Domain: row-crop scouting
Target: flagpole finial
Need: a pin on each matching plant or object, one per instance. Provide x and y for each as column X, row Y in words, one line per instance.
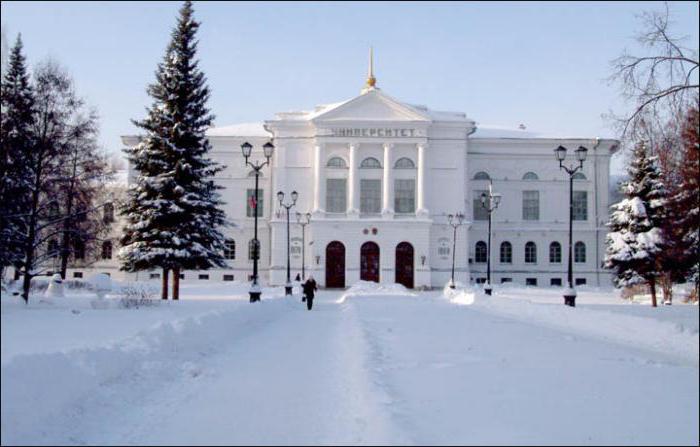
column 371, row 82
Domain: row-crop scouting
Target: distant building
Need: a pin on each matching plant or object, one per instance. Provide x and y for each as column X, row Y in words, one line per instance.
column 380, row 176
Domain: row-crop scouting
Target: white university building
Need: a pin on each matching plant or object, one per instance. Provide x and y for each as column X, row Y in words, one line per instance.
column 380, row 177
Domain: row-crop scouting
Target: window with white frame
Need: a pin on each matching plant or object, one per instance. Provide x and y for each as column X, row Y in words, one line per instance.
column 404, row 163
column 555, row 252
column 530, row 253
column 230, row 249
column 506, row 253
column 107, row 250
column 480, row 252
column 405, row 195
column 530, row 176
column 336, row 201
column 336, row 162
column 370, row 196
column 579, row 252
column 252, row 251
column 531, row 205
column 370, row 163
column 580, row 203
column 481, row 175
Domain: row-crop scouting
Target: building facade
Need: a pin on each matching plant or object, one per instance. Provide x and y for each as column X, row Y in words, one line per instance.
column 380, row 177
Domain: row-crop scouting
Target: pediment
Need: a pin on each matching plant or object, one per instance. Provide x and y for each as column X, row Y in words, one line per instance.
column 372, row 106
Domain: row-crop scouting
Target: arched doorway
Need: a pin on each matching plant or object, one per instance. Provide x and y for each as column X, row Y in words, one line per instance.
column 404, row 264
column 335, row 264
column 369, row 262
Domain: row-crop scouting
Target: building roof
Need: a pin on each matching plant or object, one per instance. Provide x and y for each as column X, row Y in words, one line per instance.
column 239, row 130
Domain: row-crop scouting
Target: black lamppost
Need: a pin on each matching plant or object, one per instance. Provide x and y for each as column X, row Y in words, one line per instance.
column 489, row 202
column 454, row 221
column 560, row 153
column 303, row 220
column 268, row 150
column 280, row 197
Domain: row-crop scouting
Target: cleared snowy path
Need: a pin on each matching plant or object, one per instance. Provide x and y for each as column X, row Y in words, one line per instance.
column 389, row 370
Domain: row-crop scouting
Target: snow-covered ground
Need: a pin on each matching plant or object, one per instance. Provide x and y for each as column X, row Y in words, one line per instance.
column 370, row 365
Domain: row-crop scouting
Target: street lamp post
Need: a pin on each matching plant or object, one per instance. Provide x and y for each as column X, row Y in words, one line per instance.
column 303, row 220
column 280, row 197
column 268, row 150
column 489, row 202
column 454, row 221
column 560, row 153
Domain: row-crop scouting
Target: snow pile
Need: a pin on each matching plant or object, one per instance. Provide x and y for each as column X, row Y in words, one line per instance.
column 671, row 338
column 458, row 295
column 40, row 388
column 370, row 288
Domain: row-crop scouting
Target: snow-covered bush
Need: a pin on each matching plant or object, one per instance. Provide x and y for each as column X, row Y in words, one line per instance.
column 138, row 295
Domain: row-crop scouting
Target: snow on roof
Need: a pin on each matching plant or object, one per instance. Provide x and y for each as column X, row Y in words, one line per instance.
column 491, row 131
column 239, row 130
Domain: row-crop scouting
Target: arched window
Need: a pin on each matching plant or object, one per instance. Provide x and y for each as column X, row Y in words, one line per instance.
column 336, row 162
column 230, row 249
column 480, row 252
column 530, row 253
column 370, row 163
column 506, row 253
column 481, row 175
column 107, row 250
column 252, row 174
column 579, row 176
column 555, row 252
column 530, row 176
column 252, row 251
column 579, row 252
column 404, row 163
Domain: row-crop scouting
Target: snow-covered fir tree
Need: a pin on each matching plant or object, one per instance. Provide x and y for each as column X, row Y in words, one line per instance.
column 635, row 241
column 173, row 213
column 17, row 104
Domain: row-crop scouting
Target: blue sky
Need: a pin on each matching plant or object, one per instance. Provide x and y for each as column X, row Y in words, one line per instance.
column 537, row 63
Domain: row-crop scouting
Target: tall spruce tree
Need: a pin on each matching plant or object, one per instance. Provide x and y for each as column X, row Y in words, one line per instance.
column 635, row 242
column 173, row 212
column 16, row 140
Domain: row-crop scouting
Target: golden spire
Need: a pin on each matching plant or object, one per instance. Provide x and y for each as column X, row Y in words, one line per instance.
column 371, row 81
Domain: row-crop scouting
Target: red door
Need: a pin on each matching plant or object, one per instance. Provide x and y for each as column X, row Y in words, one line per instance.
column 369, row 262
column 404, row 264
column 335, row 264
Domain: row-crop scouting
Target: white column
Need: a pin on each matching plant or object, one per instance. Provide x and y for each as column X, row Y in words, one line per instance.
column 353, row 182
column 421, row 211
column 387, row 183
column 319, row 181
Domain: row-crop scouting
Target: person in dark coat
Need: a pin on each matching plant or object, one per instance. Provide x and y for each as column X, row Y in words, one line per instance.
column 309, row 288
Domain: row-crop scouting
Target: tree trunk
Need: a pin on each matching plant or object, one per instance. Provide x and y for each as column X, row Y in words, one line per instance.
column 667, row 287
column 164, row 288
column 176, row 283
column 652, row 288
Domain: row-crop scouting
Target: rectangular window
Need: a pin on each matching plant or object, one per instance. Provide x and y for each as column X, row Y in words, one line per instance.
column 505, row 280
column 250, row 202
column 77, row 274
column 230, row 249
column 530, row 281
column 336, row 197
column 580, row 281
column 154, row 276
column 555, row 282
column 228, row 277
column 405, row 196
column 580, row 202
column 370, row 196
column 182, row 276
column 203, row 276
column 531, row 205
column 479, row 211
column 480, row 280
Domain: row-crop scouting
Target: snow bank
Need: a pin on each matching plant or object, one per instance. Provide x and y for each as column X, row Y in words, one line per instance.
column 676, row 339
column 369, row 288
column 459, row 295
column 42, row 387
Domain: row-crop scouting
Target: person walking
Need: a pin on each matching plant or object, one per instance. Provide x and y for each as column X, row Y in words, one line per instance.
column 309, row 288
